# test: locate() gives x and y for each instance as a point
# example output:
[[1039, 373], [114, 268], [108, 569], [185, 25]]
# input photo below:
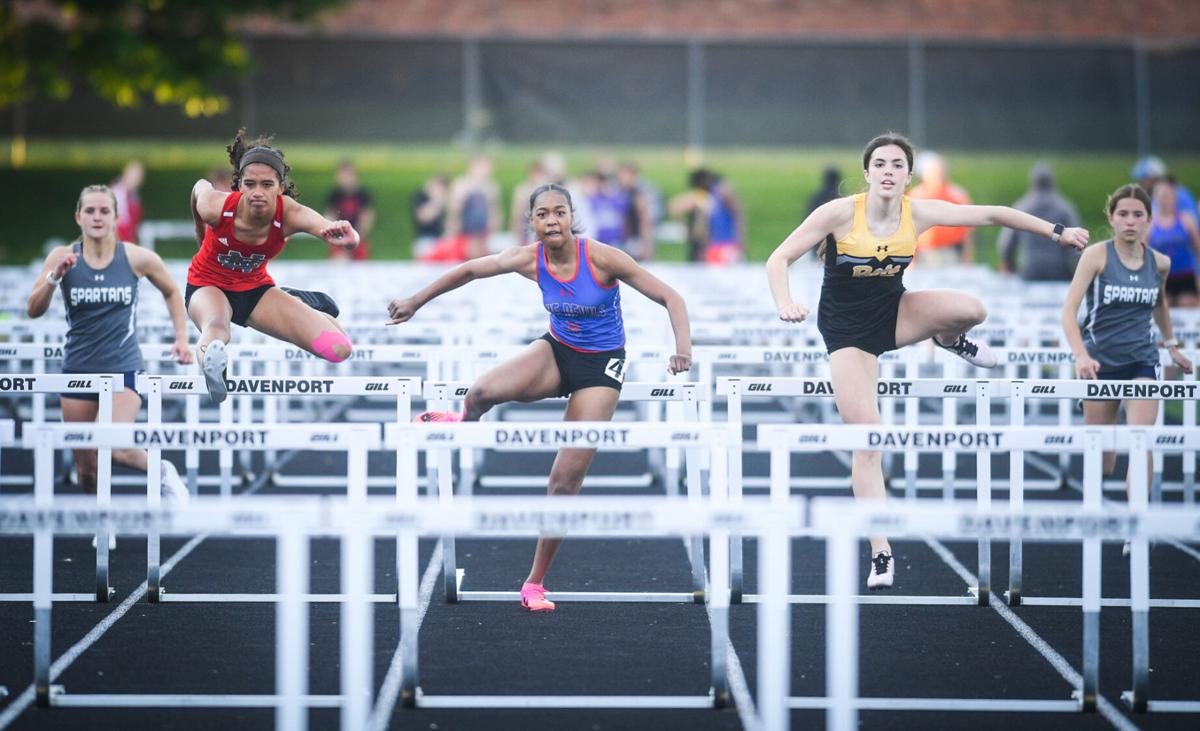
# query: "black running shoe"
[[977, 354], [319, 301], [883, 571]]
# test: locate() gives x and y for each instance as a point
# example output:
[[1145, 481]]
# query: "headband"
[[264, 155]]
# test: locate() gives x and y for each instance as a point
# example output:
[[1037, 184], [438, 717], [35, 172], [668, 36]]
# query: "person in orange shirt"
[[941, 245]]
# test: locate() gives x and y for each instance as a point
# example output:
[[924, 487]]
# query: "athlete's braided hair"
[[261, 149]]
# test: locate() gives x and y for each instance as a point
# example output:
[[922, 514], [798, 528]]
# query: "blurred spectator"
[[831, 184], [941, 244], [1035, 258], [1149, 170], [474, 210], [220, 179], [129, 201], [725, 225], [693, 206], [351, 202], [428, 208], [609, 206], [518, 211], [1174, 232], [639, 223]]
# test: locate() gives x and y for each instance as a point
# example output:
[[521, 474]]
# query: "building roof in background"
[[666, 19]]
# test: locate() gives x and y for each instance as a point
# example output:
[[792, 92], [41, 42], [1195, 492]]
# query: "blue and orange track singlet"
[[225, 262], [584, 314]]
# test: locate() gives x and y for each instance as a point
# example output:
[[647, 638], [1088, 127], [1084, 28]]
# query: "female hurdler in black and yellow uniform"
[[864, 310]]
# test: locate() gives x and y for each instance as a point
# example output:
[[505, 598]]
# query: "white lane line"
[[1057, 661], [381, 716], [64, 661]]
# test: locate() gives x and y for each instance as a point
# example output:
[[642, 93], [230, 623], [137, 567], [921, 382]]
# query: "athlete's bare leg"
[[126, 405], [855, 378], [285, 317], [531, 376], [211, 312], [597, 403], [944, 313]]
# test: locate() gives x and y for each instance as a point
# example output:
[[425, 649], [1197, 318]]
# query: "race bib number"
[[616, 369]]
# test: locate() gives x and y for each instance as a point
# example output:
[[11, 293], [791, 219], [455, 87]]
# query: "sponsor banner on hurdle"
[[607, 435], [284, 385], [60, 383], [1057, 520], [381, 516], [817, 438], [630, 391], [818, 387], [257, 436]]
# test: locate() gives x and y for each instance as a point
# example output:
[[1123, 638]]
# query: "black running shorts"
[[578, 369]]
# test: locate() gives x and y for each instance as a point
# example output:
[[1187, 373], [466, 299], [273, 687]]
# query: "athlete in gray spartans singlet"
[[101, 315], [1120, 303]]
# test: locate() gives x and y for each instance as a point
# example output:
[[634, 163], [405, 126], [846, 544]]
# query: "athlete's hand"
[[341, 233], [1181, 360], [63, 265], [794, 312], [401, 310], [1076, 238], [181, 352], [679, 364], [1087, 367]]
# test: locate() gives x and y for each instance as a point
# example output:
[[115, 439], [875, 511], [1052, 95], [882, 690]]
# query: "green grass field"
[[774, 184]]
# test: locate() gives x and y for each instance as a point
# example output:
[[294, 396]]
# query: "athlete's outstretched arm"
[[58, 263], [622, 266], [820, 223], [1089, 267], [298, 217], [150, 265], [521, 259], [206, 207], [930, 213]]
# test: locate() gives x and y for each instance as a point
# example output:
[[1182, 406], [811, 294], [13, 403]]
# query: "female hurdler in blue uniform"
[[583, 354], [864, 309]]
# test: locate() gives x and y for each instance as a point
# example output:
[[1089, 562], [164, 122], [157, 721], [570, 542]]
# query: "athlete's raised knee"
[[333, 346], [974, 312]]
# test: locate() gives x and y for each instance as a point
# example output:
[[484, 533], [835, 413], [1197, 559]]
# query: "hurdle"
[[1163, 439], [622, 436], [103, 385], [294, 521], [192, 387], [354, 439], [842, 523]]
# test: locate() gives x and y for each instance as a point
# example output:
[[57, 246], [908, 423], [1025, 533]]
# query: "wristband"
[[53, 279], [1058, 231], [1172, 343]]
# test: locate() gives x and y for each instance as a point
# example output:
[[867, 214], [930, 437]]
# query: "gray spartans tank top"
[[101, 316], [1117, 325]]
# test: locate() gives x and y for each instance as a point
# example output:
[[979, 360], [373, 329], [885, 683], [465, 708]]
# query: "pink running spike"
[[533, 598], [428, 416]]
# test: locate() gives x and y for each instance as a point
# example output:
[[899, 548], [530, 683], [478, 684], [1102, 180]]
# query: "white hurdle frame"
[[355, 439], [558, 435], [843, 523], [103, 385], [686, 395], [1181, 439], [193, 387], [294, 520]]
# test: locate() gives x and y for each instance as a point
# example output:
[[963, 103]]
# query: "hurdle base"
[[1073, 601], [564, 701], [271, 598], [970, 705], [59, 698], [904, 599], [1150, 706], [56, 598], [678, 597]]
